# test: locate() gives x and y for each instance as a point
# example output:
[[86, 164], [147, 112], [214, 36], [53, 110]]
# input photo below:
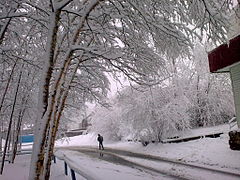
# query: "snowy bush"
[[140, 116]]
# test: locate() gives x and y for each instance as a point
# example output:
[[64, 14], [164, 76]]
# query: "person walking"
[[100, 141]]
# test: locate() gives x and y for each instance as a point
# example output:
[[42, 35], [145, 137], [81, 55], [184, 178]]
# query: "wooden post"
[[73, 175], [54, 159], [65, 168]]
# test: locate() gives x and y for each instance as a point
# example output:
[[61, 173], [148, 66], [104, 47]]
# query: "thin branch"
[[62, 4]]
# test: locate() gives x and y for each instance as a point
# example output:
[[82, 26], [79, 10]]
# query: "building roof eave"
[[225, 56]]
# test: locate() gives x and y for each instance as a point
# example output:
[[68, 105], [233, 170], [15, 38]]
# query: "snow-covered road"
[[156, 166], [93, 166]]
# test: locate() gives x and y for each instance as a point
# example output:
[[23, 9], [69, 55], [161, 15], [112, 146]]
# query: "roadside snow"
[[20, 170], [214, 152]]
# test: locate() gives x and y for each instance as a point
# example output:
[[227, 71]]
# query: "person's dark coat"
[[100, 140]]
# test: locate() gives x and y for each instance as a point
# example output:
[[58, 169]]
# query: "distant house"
[[85, 122]]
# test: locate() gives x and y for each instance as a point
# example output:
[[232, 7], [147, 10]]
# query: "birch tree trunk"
[[57, 116], [42, 122], [48, 104], [52, 136]]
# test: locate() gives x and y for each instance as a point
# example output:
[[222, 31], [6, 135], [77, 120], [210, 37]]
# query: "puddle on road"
[[107, 157]]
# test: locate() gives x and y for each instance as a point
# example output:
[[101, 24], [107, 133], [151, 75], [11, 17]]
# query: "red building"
[[224, 57]]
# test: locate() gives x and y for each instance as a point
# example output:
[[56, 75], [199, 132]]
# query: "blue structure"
[[27, 138]]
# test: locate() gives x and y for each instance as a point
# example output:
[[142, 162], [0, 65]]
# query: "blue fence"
[[26, 138]]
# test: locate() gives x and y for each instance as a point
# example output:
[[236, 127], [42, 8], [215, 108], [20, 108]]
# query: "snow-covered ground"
[[213, 152]]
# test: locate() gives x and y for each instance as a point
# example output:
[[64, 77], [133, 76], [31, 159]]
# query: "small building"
[[226, 58]]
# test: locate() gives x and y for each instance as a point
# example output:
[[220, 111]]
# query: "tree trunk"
[[58, 112], [10, 123], [52, 136], [16, 138], [38, 158], [57, 116], [42, 122], [2, 100]]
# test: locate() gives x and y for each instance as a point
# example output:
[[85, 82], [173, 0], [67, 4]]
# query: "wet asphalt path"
[[117, 156], [109, 156]]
